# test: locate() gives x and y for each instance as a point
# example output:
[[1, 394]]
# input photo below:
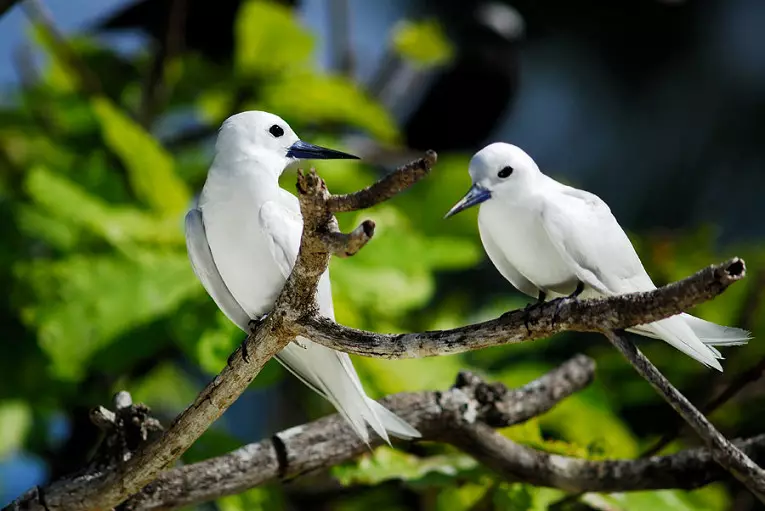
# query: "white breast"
[[230, 211], [517, 230]]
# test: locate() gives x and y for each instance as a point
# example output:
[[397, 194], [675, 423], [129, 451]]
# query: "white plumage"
[[243, 238], [547, 238]]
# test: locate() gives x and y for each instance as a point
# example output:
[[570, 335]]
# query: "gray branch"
[[723, 451], [463, 416], [541, 320]]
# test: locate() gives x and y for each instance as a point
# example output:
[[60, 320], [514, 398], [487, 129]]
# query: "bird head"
[[267, 137], [497, 170]]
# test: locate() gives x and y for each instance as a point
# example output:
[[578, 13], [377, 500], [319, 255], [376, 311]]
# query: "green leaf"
[[269, 39], [15, 422], [66, 202], [326, 99], [83, 303], [712, 498], [524, 497], [265, 498], [400, 262], [602, 433], [150, 168], [166, 386], [382, 377], [422, 43], [386, 463]]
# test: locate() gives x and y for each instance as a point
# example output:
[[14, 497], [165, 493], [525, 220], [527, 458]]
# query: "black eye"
[[276, 130], [505, 172]]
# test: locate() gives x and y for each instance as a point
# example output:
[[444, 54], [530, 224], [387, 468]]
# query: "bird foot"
[[254, 324]]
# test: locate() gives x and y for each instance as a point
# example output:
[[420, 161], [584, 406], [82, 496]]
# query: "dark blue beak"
[[476, 195], [305, 151]]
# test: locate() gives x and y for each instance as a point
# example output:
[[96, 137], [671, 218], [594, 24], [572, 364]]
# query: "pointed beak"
[[306, 151], [476, 195]]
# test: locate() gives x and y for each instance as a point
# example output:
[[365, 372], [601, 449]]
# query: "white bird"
[[551, 240], [243, 238]]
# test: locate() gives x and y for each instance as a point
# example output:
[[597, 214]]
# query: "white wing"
[[204, 267], [330, 373], [283, 226], [588, 237], [504, 266]]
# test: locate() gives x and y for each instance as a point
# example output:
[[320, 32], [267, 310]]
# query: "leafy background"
[[99, 295]]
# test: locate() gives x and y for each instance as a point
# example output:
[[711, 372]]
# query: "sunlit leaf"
[[326, 99], [386, 463], [15, 421], [269, 39], [705, 499], [265, 498], [65, 200], [423, 43], [83, 303], [166, 386], [150, 168]]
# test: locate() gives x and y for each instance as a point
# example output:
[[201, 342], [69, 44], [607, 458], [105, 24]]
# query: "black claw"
[[579, 289], [245, 354]]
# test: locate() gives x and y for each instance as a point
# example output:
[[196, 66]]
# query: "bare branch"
[[107, 489], [723, 451], [459, 416], [326, 442], [344, 245], [746, 320], [386, 188], [686, 470], [542, 320]]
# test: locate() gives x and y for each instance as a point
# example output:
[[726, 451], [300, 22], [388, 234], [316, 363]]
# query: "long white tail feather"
[[677, 333], [717, 335], [393, 423], [331, 374]]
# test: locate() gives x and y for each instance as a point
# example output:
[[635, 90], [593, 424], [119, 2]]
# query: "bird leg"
[[579, 289], [253, 325], [540, 299], [573, 296]]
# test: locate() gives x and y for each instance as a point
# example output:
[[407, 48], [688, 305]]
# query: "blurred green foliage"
[[99, 295]]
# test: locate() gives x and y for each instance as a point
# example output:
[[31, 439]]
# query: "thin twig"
[[295, 302], [386, 188], [723, 451], [754, 373]]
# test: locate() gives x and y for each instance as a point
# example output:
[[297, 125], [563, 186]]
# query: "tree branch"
[[384, 189], [329, 441], [107, 489], [723, 451], [541, 320], [462, 416]]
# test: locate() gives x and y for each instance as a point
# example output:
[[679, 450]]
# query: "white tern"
[[243, 238], [551, 240]]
